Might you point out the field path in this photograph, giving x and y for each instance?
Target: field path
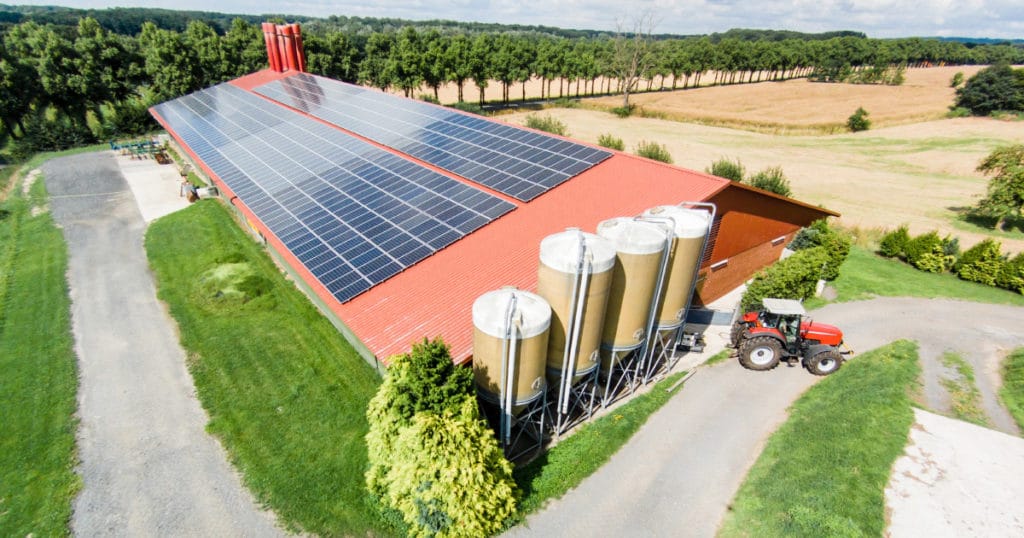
(148, 467)
(678, 474)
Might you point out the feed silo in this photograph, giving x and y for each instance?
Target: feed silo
(639, 246)
(575, 277)
(690, 227)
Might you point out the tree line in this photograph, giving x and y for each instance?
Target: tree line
(87, 81)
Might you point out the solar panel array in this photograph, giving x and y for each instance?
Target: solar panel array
(517, 162)
(352, 213)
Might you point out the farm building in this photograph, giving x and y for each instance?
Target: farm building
(394, 215)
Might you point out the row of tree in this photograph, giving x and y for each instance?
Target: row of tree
(79, 69)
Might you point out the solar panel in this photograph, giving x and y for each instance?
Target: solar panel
(352, 213)
(517, 162)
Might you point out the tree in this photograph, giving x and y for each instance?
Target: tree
(376, 69)
(480, 69)
(18, 88)
(436, 60)
(1005, 197)
(204, 45)
(633, 56)
(457, 61)
(859, 121)
(332, 55)
(772, 180)
(992, 89)
(406, 60)
(244, 50)
(172, 71)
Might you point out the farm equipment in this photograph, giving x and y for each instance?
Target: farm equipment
(781, 331)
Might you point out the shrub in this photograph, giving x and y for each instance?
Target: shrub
(653, 150)
(728, 169)
(995, 88)
(44, 134)
(794, 277)
(548, 124)
(624, 111)
(127, 118)
(464, 106)
(927, 253)
(772, 180)
(836, 245)
(433, 461)
(957, 79)
(450, 478)
(1011, 275)
(565, 102)
(611, 141)
(429, 98)
(894, 243)
(859, 121)
(958, 112)
(981, 263)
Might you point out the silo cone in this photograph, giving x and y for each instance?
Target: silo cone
(639, 246)
(690, 227)
(521, 340)
(575, 261)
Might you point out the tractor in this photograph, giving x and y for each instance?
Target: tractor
(782, 332)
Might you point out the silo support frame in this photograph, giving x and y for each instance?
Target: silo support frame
(624, 376)
(526, 429)
(580, 399)
(663, 356)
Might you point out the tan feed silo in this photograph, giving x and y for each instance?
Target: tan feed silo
(639, 246)
(580, 263)
(691, 228)
(510, 325)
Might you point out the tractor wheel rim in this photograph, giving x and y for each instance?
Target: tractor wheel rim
(762, 355)
(827, 365)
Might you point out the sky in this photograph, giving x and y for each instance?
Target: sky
(1002, 19)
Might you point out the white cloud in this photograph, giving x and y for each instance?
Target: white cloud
(877, 18)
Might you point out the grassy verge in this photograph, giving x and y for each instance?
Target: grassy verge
(1012, 392)
(824, 471)
(577, 457)
(963, 392)
(38, 376)
(286, 394)
(721, 356)
(865, 275)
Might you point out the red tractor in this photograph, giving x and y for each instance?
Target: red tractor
(781, 331)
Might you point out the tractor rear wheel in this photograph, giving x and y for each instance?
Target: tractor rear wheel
(825, 362)
(736, 334)
(760, 353)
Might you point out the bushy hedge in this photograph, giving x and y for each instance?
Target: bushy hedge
(794, 277)
(433, 460)
(611, 141)
(835, 243)
(983, 263)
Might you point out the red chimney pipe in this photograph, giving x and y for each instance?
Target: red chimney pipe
(289, 44)
(300, 53)
(281, 56)
(271, 44)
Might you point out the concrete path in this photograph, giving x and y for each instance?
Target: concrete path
(678, 474)
(147, 465)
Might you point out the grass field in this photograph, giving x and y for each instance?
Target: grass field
(965, 399)
(286, 394)
(586, 450)
(865, 275)
(1012, 393)
(823, 473)
(38, 376)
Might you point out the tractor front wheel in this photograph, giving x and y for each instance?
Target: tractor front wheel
(761, 353)
(824, 362)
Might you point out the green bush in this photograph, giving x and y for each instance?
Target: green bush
(424, 423)
(927, 253)
(429, 98)
(957, 79)
(449, 476)
(653, 150)
(128, 118)
(772, 180)
(794, 277)
(624, 111)
(981, 263)
(1011, 274)
(548, 124)
(993, 89)
(611, 141)
(859, 121)
(728, 169)
(836, 245)
(465, 106)
(894, 243)
(565, 102)
(45, 134)
(958, 112)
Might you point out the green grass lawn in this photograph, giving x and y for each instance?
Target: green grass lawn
(285, 392)
(38, 375)
(1012, 392)
(965, 399)
(823, 473)
(865, 275)
(585, 451)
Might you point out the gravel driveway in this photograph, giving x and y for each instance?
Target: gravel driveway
(148, 467)
(678, 474)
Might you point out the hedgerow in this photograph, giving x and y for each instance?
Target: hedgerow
(794, 277)
(894, 243)
(981, 263)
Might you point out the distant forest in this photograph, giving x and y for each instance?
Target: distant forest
(70, 76)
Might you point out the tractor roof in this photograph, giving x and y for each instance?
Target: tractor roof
(786, 307)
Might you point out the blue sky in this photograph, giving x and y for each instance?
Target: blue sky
(877, 18)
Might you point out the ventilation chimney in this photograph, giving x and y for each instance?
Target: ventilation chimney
(300, 53)
(270, 40)
(284, 47)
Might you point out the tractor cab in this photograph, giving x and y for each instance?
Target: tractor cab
(786, 316)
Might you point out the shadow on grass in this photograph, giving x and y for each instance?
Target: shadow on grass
(967, 215)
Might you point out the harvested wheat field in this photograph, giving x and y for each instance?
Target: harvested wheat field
(808, 107)
(918, 174)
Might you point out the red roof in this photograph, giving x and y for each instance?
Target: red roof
(435, 296)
